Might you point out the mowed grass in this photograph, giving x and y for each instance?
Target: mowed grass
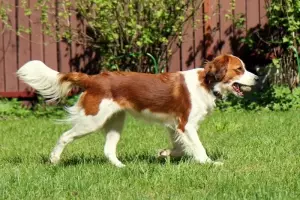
(261, 153)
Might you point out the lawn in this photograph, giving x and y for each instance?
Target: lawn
(261, 154)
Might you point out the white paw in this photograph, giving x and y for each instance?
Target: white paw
(164, 153)
(209, 161)
(54, 160)
(120, 165)
(217, 163)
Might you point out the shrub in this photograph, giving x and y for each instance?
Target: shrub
(14, 108)
(277, 42)
(272, 98)
(122, 34)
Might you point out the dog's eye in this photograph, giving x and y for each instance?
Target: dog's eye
(240, 68)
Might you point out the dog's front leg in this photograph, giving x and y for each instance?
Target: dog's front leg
(193, 146)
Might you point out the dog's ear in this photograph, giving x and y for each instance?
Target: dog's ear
(216, 69)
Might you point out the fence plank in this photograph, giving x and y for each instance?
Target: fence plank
(174, 60)
(262, 12)
(237, 32)
(50, 44)
(225, 27)
(2, 69)
(24, 43)
(77, 51)
(252, 13)
(199, 34)
(10, 52)
(240, 9)
(187, 47)
(64, 48)
(212, 38)
(64, 53)
(36, 37)
(73, 61)
(73, 51)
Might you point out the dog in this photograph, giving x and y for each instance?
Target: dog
(178, 100)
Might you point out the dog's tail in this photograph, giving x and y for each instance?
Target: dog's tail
(50, 83)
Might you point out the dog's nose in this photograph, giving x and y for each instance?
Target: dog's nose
(256, 77)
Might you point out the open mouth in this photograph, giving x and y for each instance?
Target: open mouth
(240, 88)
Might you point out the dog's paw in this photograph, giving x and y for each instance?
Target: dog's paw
(120, 165)
(217, 163)
(164, 153)
(54, 160)
(211, 162)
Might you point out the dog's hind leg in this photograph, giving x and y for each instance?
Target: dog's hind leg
(177, 151)
(84, 125)
(113, 129)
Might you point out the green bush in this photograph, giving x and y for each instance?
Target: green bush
(15, 108)
(121, 34)
(273, 99)
(124, 32)
(277, 41)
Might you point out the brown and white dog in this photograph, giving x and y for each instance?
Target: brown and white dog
(177, 100)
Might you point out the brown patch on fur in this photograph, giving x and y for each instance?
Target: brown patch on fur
(162, 93)
(76, 78)
(202, 79)
(90, 102)
(235, 69)
(223, 68)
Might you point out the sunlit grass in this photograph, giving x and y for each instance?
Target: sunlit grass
(260, 151)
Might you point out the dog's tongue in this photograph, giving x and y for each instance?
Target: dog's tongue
(237, 89)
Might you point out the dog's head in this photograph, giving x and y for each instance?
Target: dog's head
(227, 73)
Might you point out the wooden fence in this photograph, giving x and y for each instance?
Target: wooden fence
(214, 34)
(217, 34)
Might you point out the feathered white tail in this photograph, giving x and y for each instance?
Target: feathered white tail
(44, 79)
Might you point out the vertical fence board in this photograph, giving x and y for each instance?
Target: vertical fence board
(64, 48)
(199, 34)
(206, 28)
(237, 33)
(240, 9)
(50, 44)
(252, 13)
(225, 26)
(174, 59)
(64, 53)
(2, 69)
(187, 47)
(77, 51)
(213, 30)
(24, 43)
(262, 12)
(36, 37)
(10, 55)
(73, 63)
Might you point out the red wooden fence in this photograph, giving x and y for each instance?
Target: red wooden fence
(217, 34)
(211, 37)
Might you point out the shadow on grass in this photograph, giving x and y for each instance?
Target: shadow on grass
(217, 155)
(13, 160)
(82, 159)
(76, 160)
(150, 159)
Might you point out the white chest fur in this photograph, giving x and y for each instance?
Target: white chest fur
(202, 101)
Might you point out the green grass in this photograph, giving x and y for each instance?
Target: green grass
(261, 153)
